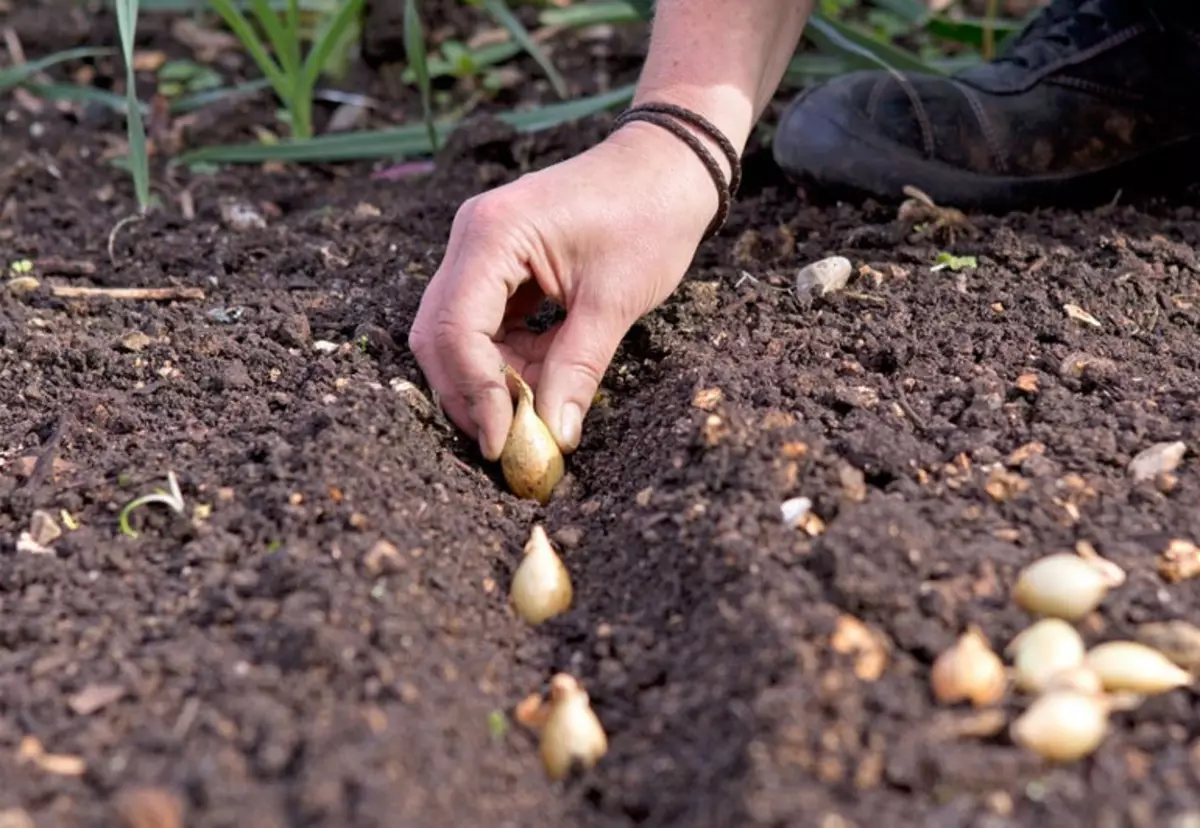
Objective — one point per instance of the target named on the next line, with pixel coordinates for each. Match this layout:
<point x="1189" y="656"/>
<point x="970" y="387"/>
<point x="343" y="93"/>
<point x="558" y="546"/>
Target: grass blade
<point x="414" y="46"/>
<point x="973" y="31"/>
<point x="17" y="75"/>
<point x="323" y="48"/>
<point x="127" y="14"/>
<point x="241" y="27"/>
<point x="503" y="15"/>
<point x="861" y="50"/>
<point x="286" y="44"/>
<point x="401" y="142"/>
<point x="593" y="13"/>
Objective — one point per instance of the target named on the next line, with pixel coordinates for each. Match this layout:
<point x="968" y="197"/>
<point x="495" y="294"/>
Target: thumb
<point x="574" y="365"/>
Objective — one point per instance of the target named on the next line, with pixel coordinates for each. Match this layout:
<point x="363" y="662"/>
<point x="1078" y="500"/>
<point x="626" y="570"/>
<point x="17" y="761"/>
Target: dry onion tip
<point x="1043" y="651"/>
<point x="541" y="586"/>
<point x="531" y="460"/>
<point x="969" y="671"/>
<point x="1062" y="725"/>
<point x="1063" y="585"/>
<point x="1128" y="666"/>
<point x="571" y="733"/>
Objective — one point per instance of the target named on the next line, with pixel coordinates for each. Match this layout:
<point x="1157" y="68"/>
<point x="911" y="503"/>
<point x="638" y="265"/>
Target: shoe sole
<point x="842" y="160"/>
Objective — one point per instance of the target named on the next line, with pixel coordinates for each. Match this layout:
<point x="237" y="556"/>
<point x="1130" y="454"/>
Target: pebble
<point x="829" y="274"/>
<point x="135" y="341"/>
<point x="1160" y="458"/>
<point x="795" y="510"/>
<point x="43" y="529"/>
<point x="240" y="216"/>
<point x="324" y="346"/>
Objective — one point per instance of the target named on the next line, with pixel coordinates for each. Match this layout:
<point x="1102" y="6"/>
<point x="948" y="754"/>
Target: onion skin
<point x="531" y="460"/>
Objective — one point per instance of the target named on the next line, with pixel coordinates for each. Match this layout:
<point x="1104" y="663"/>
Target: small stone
<point x="134" y="341"/>
<point x="240" y="216"/>
<point x="829" y="274"/>
<point x="43" y="529"/>
<point x="324" y="346"/>
<point x="795" y="510"/>
<point x="1160" y="458"/>
<point x="1079" y="364"/>
<point x="26" y="544"/>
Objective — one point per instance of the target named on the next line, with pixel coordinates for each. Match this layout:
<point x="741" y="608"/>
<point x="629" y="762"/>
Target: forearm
<point x="721" y="58"/>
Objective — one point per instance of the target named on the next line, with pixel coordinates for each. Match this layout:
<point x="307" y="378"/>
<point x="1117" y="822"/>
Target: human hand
<point x="607" y="235"/>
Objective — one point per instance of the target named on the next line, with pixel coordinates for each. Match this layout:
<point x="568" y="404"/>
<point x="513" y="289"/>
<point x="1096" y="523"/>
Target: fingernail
<point x="570" y="425"/>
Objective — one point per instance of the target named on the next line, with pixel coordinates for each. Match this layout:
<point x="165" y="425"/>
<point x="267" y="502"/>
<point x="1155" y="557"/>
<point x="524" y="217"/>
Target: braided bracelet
<point x="661" y="115"/>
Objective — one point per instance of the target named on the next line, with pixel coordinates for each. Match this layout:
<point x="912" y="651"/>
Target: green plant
<point x="139" y="162"/>
<point x="172" y="498"/>
<point x="293" y="77"/>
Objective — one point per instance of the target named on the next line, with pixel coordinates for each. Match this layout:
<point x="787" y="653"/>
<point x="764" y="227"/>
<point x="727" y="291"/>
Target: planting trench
<point x="259" y="662"/>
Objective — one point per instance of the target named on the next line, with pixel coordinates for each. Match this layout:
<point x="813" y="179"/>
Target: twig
<point x="907" y="408"/>
<point x="54" y="265"/>
<point x="165" y="294"/>
<point x="45" y="461"/>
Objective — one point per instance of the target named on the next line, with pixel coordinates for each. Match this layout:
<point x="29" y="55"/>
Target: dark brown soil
<point x="270" y="678"/>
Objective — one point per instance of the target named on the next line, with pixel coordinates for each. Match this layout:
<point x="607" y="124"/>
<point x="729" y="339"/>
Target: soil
<point x="264" y="659"/>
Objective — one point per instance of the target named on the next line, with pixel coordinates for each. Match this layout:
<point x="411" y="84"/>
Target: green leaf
<point x="241" y="27"/>
<point x="594" y="13"/>
<point x="955" y="263"/>
<point x="503" y="15"/>
<point x="400" y="142"/>
<point x="17" y="75"/>
<point x="414" y="46"/>
<point x="970" y="31"/>
<point x="346" y="17"/>
<point x="285" y="43"/>
<point x="127" y="14"/>
<point x="861" y="50"/>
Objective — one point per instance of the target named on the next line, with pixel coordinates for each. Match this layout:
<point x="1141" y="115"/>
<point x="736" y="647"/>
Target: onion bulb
<point x="541" y="586"/>
<point x="531" y="459"/>
<point x="571" y="733"/>
<point x="1063" y="585"/>
<point x="1062" y="725"/>
<point x="970" y="671"/>
<point x="1128" y="666"/>
<point x="1042" y="651"/>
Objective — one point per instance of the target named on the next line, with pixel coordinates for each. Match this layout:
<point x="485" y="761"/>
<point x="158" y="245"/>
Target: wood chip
<point x="1080" y="315"/>
<point x="95" y="697"/>
<point x="31" y="750"/>
<point x="1027" y="383"/>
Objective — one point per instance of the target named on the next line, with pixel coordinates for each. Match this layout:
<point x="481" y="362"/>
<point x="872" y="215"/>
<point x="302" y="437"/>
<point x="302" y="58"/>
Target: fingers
<point x="578" y="355"/>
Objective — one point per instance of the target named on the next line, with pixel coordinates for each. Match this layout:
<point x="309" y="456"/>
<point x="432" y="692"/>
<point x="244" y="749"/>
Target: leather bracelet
<point x="661" y="115"/>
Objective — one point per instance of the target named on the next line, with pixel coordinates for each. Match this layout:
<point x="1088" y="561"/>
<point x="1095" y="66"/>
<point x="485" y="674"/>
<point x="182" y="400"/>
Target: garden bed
<point x="266" y="660"/>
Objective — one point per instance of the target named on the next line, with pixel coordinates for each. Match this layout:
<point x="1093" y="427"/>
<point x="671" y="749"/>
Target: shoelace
<point x="1063" y="24"/>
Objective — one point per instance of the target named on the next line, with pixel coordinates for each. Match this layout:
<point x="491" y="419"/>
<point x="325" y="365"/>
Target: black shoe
<point x="1093" y="97"/>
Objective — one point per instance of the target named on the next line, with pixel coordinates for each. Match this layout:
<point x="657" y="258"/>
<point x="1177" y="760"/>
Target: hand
<point x="607" y="235"/>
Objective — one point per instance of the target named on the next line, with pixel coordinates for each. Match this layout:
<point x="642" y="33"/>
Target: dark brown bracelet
<point x="708" y="128"/>
<point x="660" y="115"/>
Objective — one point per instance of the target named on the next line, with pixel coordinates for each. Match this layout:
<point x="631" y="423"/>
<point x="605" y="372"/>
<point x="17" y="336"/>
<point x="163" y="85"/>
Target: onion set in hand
<point x="531" y="459"/>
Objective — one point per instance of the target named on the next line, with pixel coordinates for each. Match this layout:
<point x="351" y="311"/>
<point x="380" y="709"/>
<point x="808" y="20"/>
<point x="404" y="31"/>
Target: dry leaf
<point x="853" y="637"/>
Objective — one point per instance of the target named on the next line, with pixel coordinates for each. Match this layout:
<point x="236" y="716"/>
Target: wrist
<point x="687" y="188"/>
